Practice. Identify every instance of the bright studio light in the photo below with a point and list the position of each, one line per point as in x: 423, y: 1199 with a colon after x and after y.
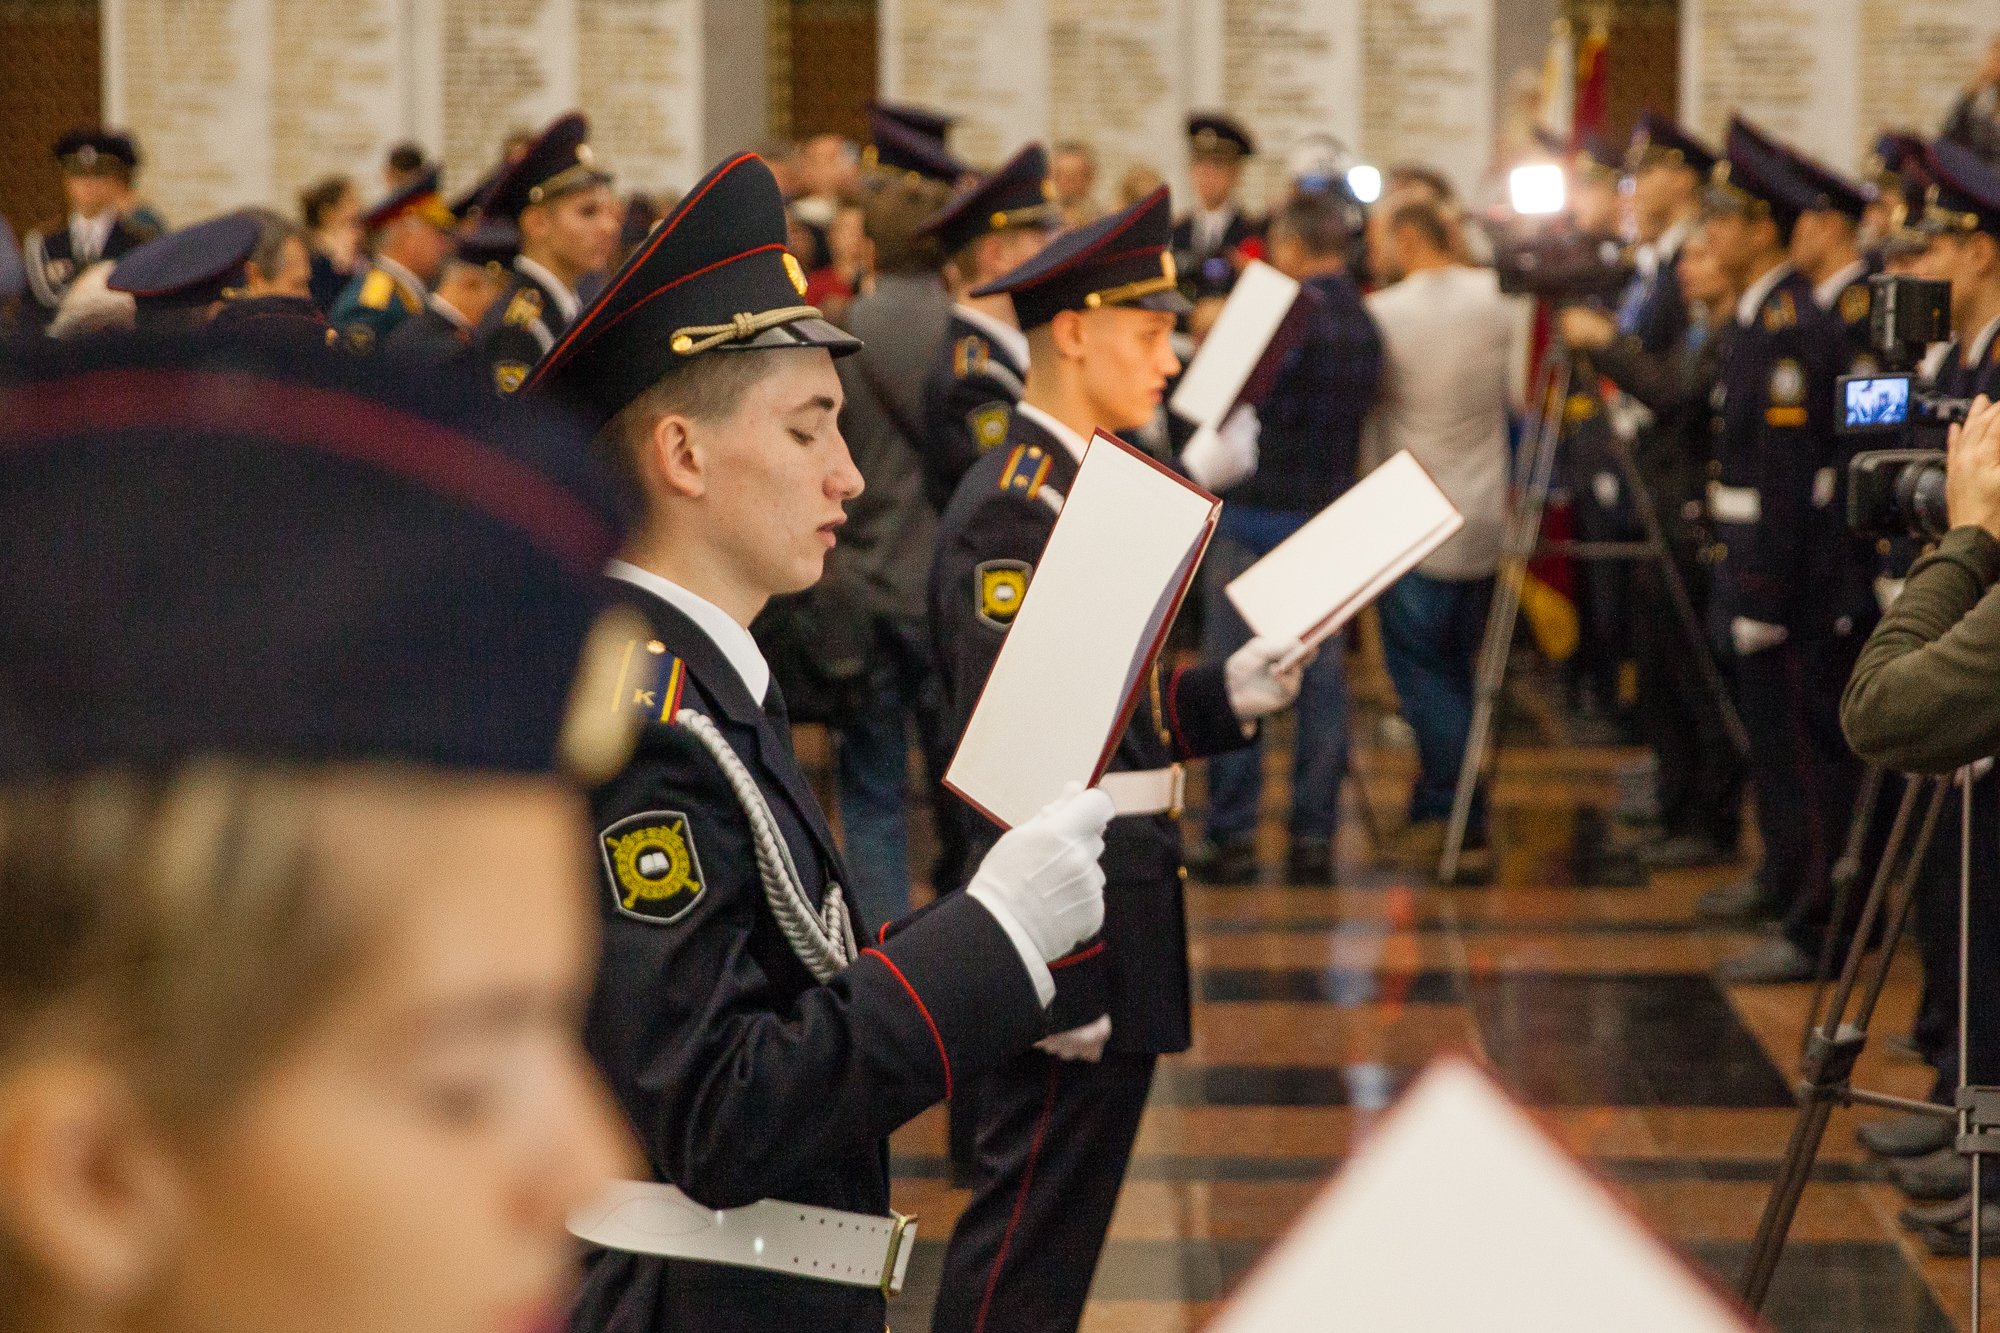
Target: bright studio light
x: 1536, y: 190
x: 1366, y: 183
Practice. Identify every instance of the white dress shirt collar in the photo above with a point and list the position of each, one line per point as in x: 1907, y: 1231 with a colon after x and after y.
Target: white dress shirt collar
x: 448, y: 312
x: 1753, y: 299
x: 1982, y: 344
x: 1012, y: 341
x: 732, y: 639
x: 1066, y: 437
x: 565, y: 299
x: 413, y: 286
x: 1828, y: 292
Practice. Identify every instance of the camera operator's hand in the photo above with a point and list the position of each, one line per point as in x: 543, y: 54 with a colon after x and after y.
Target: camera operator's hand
x: 1585, y: 329
x: 1972, y: 469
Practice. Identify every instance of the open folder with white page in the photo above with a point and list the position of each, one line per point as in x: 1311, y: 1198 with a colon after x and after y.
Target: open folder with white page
x: 1096, y: 612
x: 1321, y: 576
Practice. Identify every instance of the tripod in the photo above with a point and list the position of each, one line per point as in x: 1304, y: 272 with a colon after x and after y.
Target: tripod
x: 1520, y: 539
x: 1836, y: 1039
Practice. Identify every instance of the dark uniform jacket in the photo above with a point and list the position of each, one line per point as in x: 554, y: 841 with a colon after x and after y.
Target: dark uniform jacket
x: 1679, y: 389
x: 1850, y: 309
x: 1209, y: 272
x: 1785, y: 556
x: 523, y: 324
x: 989, y: 539
x: 52, y: 265
x: 374, y: 304
x: 431, y: 337
x: 743, y: 1077
x: 1654, y: 309
x: 969, y: 397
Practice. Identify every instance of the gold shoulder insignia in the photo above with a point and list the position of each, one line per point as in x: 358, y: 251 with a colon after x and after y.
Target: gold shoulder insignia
x: 652, y: 867
x: 524, y: 309
x: 989, y: 424
x: 1780, y: 312
x: 998, y: 587
x: 1854, y: 304
x: 1026, y: 469
x: 507, y: 375
x: 969, y: 356
x: 376, y: 290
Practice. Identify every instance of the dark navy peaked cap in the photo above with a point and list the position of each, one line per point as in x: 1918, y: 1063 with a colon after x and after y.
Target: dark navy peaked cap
x: 897, y: 147
x: 1754, y: 180
x: 1821, y: 188
x: 714, y: 277
x: 1658, y: 140
x: 420, y: 197
x: 290, y: 559
x: 1212, y: 134
x: 1120, y: 260
x: 92, y: 149
x: 1014, y: 195
x: 934, y: 125
x: 190, y: 267
x: 1964, y: 194
x: 557, y: 163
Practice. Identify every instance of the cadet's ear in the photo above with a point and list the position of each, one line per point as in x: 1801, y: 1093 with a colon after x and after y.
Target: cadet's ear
x: 1985, y: 253
x: 534, y: 222
x: 90, y: 1195
x: 673, y: 458
x: 1066, y: 331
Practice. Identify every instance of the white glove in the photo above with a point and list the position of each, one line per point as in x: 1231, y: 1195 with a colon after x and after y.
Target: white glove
x: 1043, y: 876
x: 1220, y: 457
x: 1751, y: 637
x: 1256, y: 687
x: 1085, y: 1043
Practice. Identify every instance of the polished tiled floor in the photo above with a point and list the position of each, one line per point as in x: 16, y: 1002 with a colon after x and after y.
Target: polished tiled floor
x: 1592, y: 1005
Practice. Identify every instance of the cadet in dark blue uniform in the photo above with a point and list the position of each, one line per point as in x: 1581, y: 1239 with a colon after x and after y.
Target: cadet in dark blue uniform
x: 409, y: 237
x: 987, y: 231
x: 96, y: 164
x: 562, y: 205
x: 1056, y: 1125
x: 471, y: 281
x: 1208, y: 242
x: 1793, y: 596
x: 762, y: 1040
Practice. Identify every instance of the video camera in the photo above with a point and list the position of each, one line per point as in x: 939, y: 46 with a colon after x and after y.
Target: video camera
x: 1899, y: 491
x: 1558, y: 263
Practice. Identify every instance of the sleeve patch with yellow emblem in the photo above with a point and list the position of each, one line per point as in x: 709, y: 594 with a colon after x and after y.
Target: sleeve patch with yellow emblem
x: 651, y: 865
x: 1788, y: 394
x: 524, y: 309
x: 998, y: 588
x: 507, y: 375
x: 1780, y: 312
x: 989, y: 424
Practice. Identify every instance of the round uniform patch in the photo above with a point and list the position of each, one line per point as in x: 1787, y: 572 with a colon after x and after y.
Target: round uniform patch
x: 989, y: 424
x: 1855, y: 303
x: 1000, y: 585
x: 507, y: 375
x: 653, y: 870
x: 1788, y: 383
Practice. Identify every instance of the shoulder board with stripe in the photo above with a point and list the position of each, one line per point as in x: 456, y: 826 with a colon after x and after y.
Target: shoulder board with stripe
x: 1026, y: 468
x: 377, y: 289
x: 524, y: 309
x: 969, y: 356
x: 652, y: 681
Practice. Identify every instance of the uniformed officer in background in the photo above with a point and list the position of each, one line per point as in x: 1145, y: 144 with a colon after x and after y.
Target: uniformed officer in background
x: 1056, y: 1124
x: 1794, y: 597
x: 408, y: 237
x: 762, y: 1039
x: 247, y: 270
x: 467, y: 286
x: 1826, y: 248
x: 1208, y: 244
x: 97, y: 166
x: 560, y: 201
x: 987, y: 231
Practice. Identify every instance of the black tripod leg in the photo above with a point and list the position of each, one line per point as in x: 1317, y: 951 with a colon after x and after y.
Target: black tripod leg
x: 1834, y: 1045
x: 1846, y: 874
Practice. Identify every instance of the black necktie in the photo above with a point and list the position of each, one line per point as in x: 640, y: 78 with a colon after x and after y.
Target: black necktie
x: 781, y: 720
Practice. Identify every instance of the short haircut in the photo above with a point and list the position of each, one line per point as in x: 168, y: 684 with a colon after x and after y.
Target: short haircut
x: 406, y: 157
x: 273, y: 230
x: 706, y: 388
x: 1079, y: 148
x: 321, y: 198
x: 1424, y: 217
x: 1416, y: 173
x: 893, y: 216
x: 1315, y: 222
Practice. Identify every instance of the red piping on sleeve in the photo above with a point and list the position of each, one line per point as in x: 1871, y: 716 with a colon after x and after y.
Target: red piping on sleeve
x: 918, y: 1000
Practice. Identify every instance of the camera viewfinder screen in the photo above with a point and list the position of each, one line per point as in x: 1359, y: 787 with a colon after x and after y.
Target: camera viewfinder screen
x: 1875, y: 401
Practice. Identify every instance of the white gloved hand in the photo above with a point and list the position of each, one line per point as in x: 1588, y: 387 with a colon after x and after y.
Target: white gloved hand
x: 1256, y: 687
x: 1044, y: 876
x: 1218, y: 458
x: 1751, y: 637
x: 1085, y: 1043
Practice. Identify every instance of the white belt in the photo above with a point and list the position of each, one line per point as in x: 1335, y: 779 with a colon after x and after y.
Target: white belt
x: 1734, y: 504
x: 853, y: 1249
x: 1157, y: 791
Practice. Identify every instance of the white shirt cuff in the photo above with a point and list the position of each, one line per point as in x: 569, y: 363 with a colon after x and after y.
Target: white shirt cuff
x: 1031, y: 957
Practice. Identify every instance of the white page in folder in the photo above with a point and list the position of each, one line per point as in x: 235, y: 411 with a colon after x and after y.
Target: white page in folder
x: 1102, y: 596
x: 1256, y: 308
x: 1529, y: 1244
x: 1321, y: 576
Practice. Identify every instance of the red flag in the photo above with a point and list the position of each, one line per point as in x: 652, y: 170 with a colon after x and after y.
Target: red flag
x: 1591, y: 69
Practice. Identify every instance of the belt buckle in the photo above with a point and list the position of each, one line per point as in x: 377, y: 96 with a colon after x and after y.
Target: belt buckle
x: 1177, y: 795
x: 900, y: 1228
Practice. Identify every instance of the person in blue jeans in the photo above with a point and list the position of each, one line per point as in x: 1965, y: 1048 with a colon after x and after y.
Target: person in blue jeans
x: 1431, y: 631
x: 1309, y: 445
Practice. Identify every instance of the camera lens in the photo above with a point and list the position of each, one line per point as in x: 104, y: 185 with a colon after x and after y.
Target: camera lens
x: 1922, y: 494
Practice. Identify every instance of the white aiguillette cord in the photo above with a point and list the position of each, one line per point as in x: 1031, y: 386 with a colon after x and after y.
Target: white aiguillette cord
x: 852, y: 1249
